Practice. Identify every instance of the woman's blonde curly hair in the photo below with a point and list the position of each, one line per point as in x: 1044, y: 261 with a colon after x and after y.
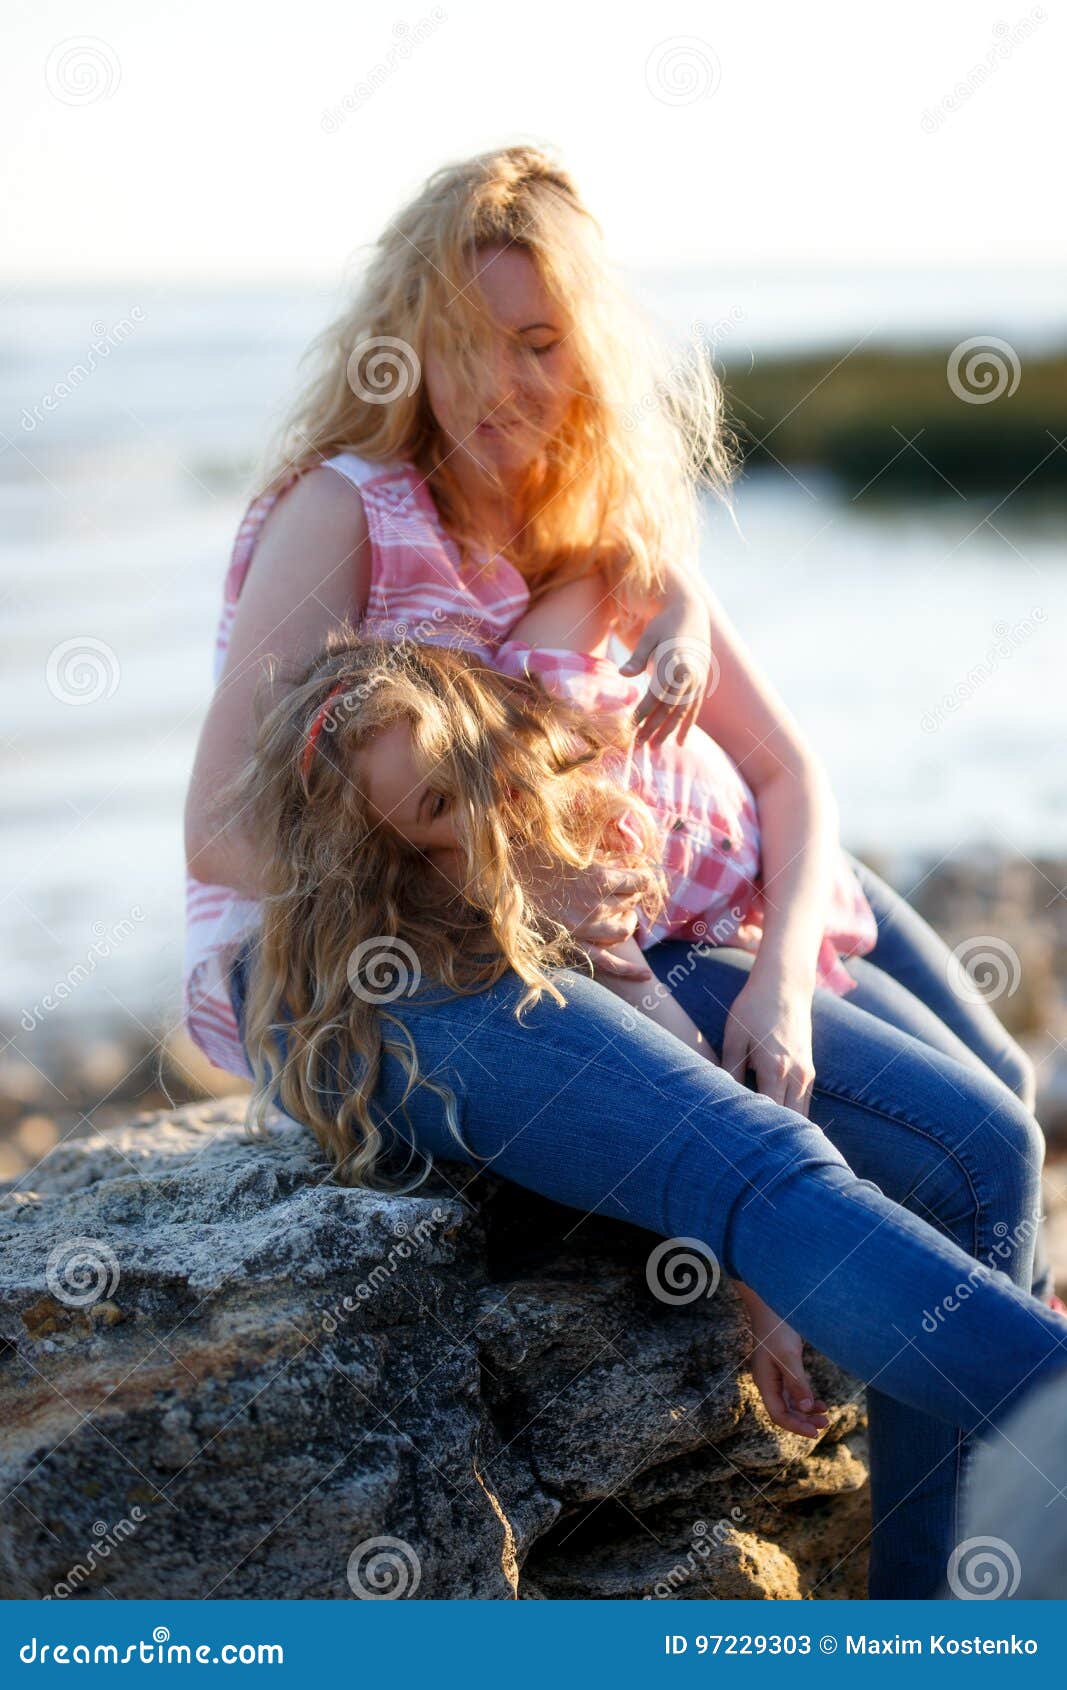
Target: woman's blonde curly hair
x: 614, y: 490
x: 353, y: 916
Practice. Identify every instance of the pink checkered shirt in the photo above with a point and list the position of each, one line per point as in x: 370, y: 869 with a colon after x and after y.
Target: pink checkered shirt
x: 420, y: 590
x: 711, y: 850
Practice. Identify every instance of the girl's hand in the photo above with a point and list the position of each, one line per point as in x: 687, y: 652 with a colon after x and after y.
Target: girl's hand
x: 610, y: 920
x: 777, y: 1365
x: 768, y: 1030
x: 598, y: 906
x: 677, y: 644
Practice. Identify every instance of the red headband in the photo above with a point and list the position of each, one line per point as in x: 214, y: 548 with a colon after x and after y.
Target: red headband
x: 316, y: 728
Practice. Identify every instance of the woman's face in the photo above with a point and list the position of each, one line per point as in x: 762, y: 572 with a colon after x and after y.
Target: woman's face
x: 530, y: 371
x: 405, y: 800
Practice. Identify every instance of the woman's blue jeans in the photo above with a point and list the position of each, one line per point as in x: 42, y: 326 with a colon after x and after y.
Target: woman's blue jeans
x: 860, y: 1227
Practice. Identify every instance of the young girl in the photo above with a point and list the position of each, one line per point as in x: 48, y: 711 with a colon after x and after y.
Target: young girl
x: 489, y: 424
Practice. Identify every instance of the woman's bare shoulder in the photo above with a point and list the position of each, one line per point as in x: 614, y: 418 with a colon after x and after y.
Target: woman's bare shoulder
x: 310, y: 569
x: 321, y: 505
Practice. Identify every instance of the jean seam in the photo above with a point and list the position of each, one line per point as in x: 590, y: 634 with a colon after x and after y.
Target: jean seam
x: 953, y: 1155
x: 590, y: 1062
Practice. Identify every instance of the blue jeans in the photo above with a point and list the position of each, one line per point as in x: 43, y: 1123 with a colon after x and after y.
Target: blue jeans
x: 860, y: 1227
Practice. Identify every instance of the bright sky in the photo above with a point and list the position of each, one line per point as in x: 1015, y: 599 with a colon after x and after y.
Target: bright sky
x: 211, y: 140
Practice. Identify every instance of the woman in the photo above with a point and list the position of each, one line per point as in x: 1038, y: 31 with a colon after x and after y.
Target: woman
x: 526, y: 443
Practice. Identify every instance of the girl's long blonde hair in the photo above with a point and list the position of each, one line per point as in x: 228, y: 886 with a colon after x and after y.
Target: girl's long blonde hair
x: 615, y: 489
x: 354, y: 917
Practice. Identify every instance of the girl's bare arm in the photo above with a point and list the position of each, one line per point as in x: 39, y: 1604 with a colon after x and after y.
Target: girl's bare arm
x: 777, y: 1359
x: 650, y: 997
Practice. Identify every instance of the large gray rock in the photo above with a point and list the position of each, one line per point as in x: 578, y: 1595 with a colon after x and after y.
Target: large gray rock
x: 223, y: 1375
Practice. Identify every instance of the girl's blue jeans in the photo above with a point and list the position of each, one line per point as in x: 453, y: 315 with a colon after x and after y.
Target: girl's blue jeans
x: 861, y: 1227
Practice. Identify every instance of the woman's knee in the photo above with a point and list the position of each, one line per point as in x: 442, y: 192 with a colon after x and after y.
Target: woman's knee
x: 1007, y: 1147
x: 950, y: 1143
x: 1015, y: 1070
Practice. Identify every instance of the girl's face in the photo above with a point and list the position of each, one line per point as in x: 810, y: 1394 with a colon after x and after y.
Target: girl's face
x: 405, y: 800
x: 530, y: 369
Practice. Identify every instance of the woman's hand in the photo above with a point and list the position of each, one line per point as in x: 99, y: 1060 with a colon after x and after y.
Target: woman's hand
x: 777, y: 1365
x: 768, y: 1030
x: 677, y: 644
x: 598, y: 906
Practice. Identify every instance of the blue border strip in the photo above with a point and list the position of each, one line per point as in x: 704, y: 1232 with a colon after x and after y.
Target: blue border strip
x: 537, y: 1644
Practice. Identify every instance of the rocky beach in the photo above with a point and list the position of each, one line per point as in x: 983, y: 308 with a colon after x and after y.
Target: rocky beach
x: 236, y: 1379
x: 508, y: 1404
